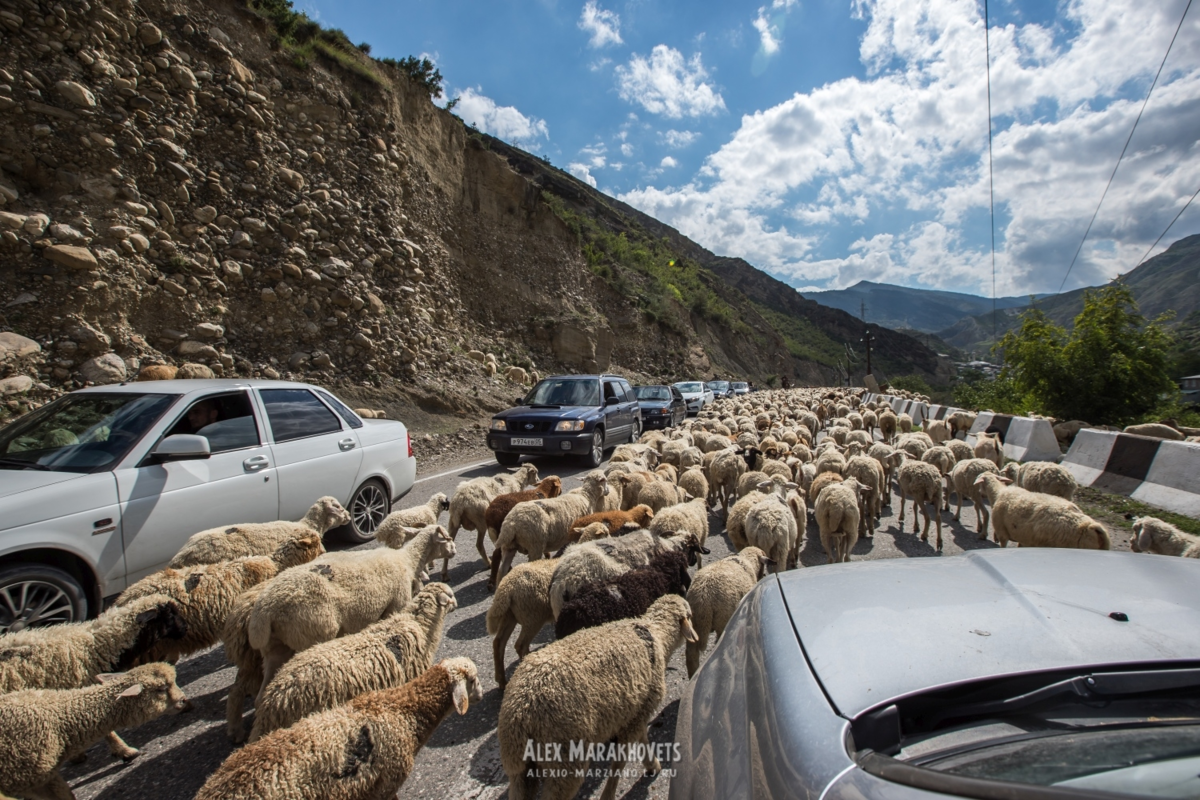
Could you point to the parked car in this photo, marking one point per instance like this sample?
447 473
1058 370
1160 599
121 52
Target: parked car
720 389
740 388
1031 673
579 415
662 406
103 486
697 396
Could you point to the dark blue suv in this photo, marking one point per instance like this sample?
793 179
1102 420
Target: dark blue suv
579 415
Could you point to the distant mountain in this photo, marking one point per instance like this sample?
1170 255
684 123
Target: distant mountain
901 307
1168 282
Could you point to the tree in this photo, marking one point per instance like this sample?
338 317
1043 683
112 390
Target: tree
1112 368
422 72
912 383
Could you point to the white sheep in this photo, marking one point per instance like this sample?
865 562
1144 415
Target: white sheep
389 653
944 460
392 530
1039 520
963 477
468 504
363 749
1152 535
595 562
961 450
938 430
339 593
727 467
869 473
923 483
715 593
694 482
689 517
837 515
661 494
522 598
42 728
890 459
257 538
961 422
988 446
540 527
770 524
1042 476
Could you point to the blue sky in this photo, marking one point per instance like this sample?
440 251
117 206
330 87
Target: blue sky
830 142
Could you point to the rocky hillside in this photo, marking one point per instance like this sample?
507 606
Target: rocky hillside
185 183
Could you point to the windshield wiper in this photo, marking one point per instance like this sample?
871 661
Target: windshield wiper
17 463
544 405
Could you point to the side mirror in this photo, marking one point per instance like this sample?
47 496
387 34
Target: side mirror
611 401
181 447
520 401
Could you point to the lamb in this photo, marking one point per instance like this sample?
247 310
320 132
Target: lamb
715 593
988 446
626 596
257 538
868 472
1152 535
693 482
1039 520
207 593
660 495
389 653
727 467
391 531
565 692
1156 430
944 460
542 526
363 749
938 430
468 504
837 515
640 515
689 517
1044 477
72 655
522 598
42 728
923 483
338 594
963 477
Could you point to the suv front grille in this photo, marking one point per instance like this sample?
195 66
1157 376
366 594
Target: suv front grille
520 427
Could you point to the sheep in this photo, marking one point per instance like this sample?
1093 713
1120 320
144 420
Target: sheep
640 515
522 598
542 526
627 595
468 504
1065 432
693 482
727 467
938 430
71 655
963 477
780 468
206 593
819 483
887 425
565 692
1044 477
715 593
257 538
363 749
905 423
392 530
914 444
735 524
868 472
837 515
961 450
631 487
989 446
660 495
960 422
667 472
749 482
42 728
1156 431
389 653
771 525
498 508
923 483
235 638
1039 520
689 517
1152 535
338 594
944 460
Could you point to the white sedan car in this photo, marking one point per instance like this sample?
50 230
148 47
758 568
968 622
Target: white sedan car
103 486
697 396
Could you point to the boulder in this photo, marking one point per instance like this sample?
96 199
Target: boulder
17 384
198 351
103 370
292 178
76 93
149 33
14 345
71 256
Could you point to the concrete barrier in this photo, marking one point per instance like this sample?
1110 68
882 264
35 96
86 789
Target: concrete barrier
1024 439
1155 471
918 411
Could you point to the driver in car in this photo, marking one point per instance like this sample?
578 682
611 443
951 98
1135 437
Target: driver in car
204 413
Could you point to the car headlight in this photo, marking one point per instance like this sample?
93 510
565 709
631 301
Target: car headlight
499 425
570 425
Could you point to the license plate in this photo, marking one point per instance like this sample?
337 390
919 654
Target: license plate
519 442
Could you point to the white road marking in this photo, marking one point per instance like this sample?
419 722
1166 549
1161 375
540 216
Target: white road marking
453 471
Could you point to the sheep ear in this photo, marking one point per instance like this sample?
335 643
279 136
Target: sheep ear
705 550
791 485
108 677
132 691
763 486
1005 480
462 699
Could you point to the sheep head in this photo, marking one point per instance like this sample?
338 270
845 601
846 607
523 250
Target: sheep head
325 514
464 678
158 619
297 551
551 486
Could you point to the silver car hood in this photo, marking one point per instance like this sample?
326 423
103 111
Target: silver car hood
874 631
17 481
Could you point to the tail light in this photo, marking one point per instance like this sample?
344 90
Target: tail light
408 435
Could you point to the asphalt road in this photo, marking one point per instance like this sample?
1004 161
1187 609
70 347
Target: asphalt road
462 758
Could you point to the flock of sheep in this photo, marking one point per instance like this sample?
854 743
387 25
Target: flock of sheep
337 649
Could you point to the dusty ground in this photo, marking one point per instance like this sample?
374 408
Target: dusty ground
461 760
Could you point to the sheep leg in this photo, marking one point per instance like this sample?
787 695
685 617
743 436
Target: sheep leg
233 707
946 494
118 748
958 511
925 514
499 643
903 498
694 649
445 569
479 546
55 788
273 659
504 564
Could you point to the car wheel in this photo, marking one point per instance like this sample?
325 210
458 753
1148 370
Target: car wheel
508 459
635 431
368 506
595 456
33 596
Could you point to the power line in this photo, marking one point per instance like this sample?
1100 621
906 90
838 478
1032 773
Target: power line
987 39
1126 147
1164 233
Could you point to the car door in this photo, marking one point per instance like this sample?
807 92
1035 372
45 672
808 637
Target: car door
632 414
315 453
162 504
678 406
615 428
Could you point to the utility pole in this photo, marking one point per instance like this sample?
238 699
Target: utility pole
863 311
868 337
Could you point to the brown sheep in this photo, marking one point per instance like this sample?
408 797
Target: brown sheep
497 510
639 515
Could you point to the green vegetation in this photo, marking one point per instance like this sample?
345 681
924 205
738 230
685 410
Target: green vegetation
974 389
422 72
1112 509
1112 368
912 383
802 337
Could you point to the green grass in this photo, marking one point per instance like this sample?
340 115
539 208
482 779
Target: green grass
1113 508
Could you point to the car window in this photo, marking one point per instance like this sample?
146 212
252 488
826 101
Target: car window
351 418
565 392
654 392
690 387
611 390
627 391
226 420
296 413
676 393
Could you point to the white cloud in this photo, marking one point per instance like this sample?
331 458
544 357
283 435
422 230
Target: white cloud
627 150
766 32
582 172
902 153
678 139
503 122
668 163
667 84
604 26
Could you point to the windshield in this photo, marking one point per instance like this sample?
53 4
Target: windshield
690 387
565 392
740 386
80 432
718 386
652 392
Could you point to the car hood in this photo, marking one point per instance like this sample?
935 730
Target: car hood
566 412
16 481
653 403
874 631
